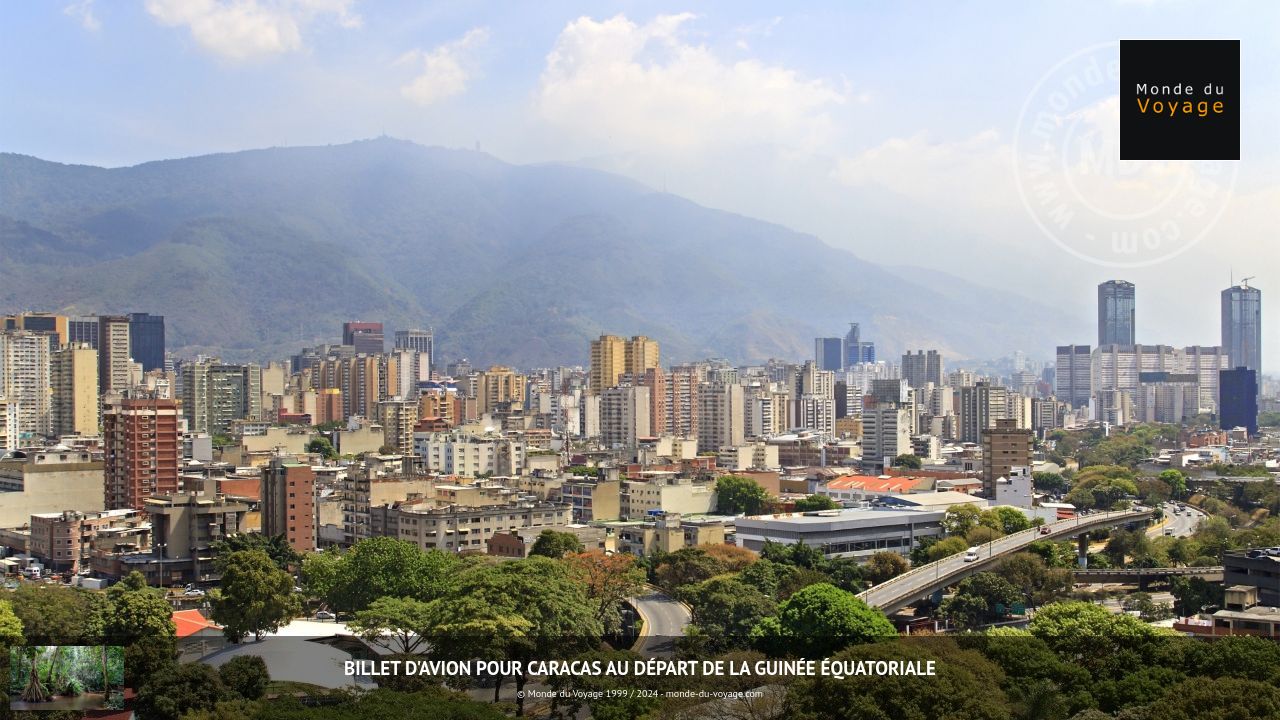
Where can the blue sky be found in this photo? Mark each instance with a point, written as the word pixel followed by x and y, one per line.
pixel 884 128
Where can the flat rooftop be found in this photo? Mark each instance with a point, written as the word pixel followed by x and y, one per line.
pixel 846 517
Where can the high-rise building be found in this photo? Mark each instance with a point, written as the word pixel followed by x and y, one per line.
pixel 919 368
pixel 721 416
pixel 656 380
pixel 1116 303
pixel 681 402
pixel 288 503
pixel 1073 375
pixel 1239 404
pixel 978 408
pixel 624 416
pixel 215 395
pixel 141 450
pixel 641 353
pixel 113 353
pixel 82 329
pixel 365 337
pixel 857 350
pixel 74 380
pixel 612 357
pixel 423 343
pixel 498 387
pixel 1242 326
pixel 1005 446
pixel 25 382
pixel 146 340
pixel 829 353
pixel 54 326
pixel 359 379
pixel 886 434
pixel 398 416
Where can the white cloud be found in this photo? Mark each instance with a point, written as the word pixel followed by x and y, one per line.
pixel 644 87
pixel 83 11
pixel 445 69
pixel 240 29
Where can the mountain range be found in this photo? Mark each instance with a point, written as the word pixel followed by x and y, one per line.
pixel 254 254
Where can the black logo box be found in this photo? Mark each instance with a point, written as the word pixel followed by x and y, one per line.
pixel 1184 64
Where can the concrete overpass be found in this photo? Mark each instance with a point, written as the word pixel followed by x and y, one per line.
pixel 901 591
pixel 1142 576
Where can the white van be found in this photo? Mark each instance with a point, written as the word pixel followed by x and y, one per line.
pixel 971 554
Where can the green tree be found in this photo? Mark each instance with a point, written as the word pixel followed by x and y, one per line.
pixel 819 620
pixel 1217 699
pixel 323 447
pixel 967 686
pixel 276 547
pixel 960 519
pixel 1192 594
pixel 1050 482
pixel 1088 633
pixel 10 626
pixel 1176 481
pixel 533 608
pixel 738 495
pixel 246 675
pixel 686 566
pixel 1034 579
pixel 140 619
pixel 1004 519
pixel 945 548
pixel 908 461
pixel 725 610
pixel 884 566
pixel 178 690
pixel 1148 610
pixel 555 544
pixel 815 502
pixel 964 611
pixel 254 597
pixel 385 567
pixel 59 615
pixel 399 624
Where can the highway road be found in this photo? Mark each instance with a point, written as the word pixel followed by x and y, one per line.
pixel 1182 523
pixel 895 594
pixel 665 620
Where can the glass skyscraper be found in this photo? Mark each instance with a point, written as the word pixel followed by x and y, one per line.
pixel 1116 304
pixel 146 340
pixel 1242 326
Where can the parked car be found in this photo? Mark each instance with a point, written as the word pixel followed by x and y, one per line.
pixel 324 615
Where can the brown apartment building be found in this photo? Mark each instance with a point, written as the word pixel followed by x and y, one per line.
pixel 289 503
pixel 141 450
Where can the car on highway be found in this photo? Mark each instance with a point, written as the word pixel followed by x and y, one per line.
pixel 1045 529
pixel 971 554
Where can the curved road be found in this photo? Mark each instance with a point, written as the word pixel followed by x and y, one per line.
pixel 665 619
pixel 899 592
pixel 1182 523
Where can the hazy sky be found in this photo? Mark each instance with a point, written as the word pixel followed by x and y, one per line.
pixel 885 128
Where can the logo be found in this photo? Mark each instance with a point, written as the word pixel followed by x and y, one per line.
pixel 1090 198
pixel 1180 99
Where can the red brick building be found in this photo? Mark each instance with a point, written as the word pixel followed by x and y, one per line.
pixel 141 451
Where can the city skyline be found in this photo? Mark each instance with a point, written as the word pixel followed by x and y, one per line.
pixel 855 152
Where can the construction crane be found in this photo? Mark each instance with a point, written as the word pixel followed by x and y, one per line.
pixel 1244 282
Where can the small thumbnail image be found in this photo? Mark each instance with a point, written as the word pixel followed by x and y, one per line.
pixel 66 677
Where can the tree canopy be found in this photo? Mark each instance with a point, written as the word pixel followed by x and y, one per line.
pixel 737 495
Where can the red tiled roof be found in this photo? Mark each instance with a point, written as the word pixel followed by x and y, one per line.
pixel 872 483
pixel 190 622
